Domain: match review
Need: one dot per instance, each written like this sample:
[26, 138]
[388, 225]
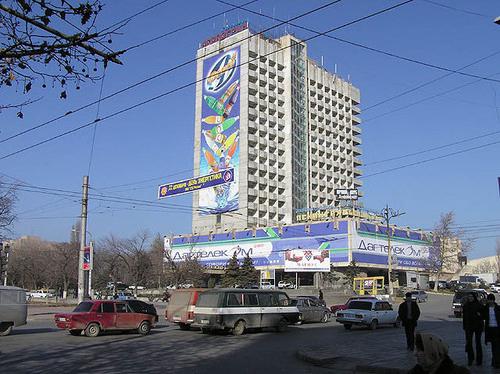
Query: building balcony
[252, 76]
[272, 146]
[356, 120]
[262, 130]
[272, 133]
[252, 154]
[356, 150]
[253, 166]
[252, 114]
[252, 140]
[356, 130]
[356, 140]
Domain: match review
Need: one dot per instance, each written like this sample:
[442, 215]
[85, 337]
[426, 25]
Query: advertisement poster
[374, 250]
[298, 260]
[220, 130]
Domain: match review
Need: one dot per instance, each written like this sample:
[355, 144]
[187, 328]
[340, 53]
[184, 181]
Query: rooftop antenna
[335, 69]
[274, 20]
[322, 62]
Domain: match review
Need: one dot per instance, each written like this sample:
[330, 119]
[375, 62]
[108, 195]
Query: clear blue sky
[155, 142]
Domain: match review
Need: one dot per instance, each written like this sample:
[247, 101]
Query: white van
[13, 308]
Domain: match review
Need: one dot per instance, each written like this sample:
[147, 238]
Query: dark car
[314, 298]
[93, 317]
[311, 311]
[461, 295]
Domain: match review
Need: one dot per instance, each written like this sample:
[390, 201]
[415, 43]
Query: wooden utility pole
[388, 214]
[82, 283]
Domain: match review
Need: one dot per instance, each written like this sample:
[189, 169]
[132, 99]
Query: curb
[344, 363]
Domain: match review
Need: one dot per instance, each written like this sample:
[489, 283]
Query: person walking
[409, 313]
[473, 325]
[491, 316]
[320, 294]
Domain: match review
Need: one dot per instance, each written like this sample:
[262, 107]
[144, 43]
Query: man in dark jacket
[409, 312]
[491, 315]
[473, 325]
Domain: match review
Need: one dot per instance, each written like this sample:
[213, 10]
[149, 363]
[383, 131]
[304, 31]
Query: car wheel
[75, 332]
[324, 319]
[347, 326]
[5, 329]
[184, 326]
[144, 328]
[282, 325]
[92, 330]
[373, 325]
[397, 324]
[239, 328]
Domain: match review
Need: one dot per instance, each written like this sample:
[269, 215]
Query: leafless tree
[7, 201]
[447, 246]
[136, 257]
[55, 41]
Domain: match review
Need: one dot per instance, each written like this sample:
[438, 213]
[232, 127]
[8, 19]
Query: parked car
[371, 313]
[460, 296]
[495, 287]
[266, 285]
[13, 308]
[40, 294]
[335, 308]
[311, 311]
[180, 309]
[315, 299]
[93, 317]
[285, 284]
[419, 296]
[238, 310]
[124, 296]
[139, 306]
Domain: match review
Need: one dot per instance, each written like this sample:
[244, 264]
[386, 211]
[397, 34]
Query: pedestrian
[409, 312]
[432, 357]
[320, 294]
[491, 315]
[473, 325]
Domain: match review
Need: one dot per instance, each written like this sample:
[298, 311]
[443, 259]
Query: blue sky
[136, 151]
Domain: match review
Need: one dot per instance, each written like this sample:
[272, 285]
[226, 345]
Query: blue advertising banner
[220, 128]
[194, 184]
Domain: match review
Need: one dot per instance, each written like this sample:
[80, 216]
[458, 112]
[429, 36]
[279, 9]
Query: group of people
[432, 352]
[479, 318]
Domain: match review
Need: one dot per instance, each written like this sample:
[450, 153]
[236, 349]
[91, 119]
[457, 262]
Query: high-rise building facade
[285, 128]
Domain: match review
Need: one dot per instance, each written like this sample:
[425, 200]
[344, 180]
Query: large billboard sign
[194, 184]
[373, 249]
[220, 128]
[299, 260]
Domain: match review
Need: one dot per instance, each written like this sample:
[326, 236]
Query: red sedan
[93, 317]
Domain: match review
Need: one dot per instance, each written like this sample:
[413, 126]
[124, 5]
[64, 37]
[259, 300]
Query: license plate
[205, 321]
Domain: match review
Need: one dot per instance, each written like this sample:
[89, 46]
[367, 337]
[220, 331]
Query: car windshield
[208, 299]
[83, 307]
[363, 305]
[459, 296]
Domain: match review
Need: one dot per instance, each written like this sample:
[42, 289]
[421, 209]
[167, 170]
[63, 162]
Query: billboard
[373, 249]
[198, 183]
[220, 127]
[298, 260]
[269, 248]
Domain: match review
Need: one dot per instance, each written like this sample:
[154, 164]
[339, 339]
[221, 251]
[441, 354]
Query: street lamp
[497, 20]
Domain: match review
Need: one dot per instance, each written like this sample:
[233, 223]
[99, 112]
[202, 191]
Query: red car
[335, 308]
[92, 317]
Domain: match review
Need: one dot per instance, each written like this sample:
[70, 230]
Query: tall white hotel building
[299, 134]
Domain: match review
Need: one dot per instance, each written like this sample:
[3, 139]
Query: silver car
[419, 296]
[311, 310]
[371, 313]
[13, 308]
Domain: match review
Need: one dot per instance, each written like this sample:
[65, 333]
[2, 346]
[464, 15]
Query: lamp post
[388, 214]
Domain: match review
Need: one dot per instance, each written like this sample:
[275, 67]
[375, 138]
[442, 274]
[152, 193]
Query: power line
[179, 88]
[430, 159]
[434, 148]
[457, 9]
[425, 99]
[390, 54]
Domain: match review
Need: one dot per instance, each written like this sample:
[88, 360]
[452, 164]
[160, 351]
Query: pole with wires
[388, 214]
[82, 284]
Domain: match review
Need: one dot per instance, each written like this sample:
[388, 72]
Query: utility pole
[82, 281]
[388, 214]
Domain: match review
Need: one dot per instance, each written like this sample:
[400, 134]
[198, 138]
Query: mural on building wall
[220, 128]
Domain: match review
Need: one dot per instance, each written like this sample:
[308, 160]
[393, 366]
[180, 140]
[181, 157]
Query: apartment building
[285, 127]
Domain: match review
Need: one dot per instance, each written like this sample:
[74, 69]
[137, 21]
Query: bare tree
[65, 266]
[55, 41]
[136, 257]
[447, 247]
[497, 257]
[7, 201]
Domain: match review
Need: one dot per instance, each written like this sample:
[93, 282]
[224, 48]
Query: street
[40, 347]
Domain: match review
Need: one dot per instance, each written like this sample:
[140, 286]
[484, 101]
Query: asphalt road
[39, 347]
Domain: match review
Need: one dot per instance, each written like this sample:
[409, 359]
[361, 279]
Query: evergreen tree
[351, 272]
[232, 273]
[249, 275]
